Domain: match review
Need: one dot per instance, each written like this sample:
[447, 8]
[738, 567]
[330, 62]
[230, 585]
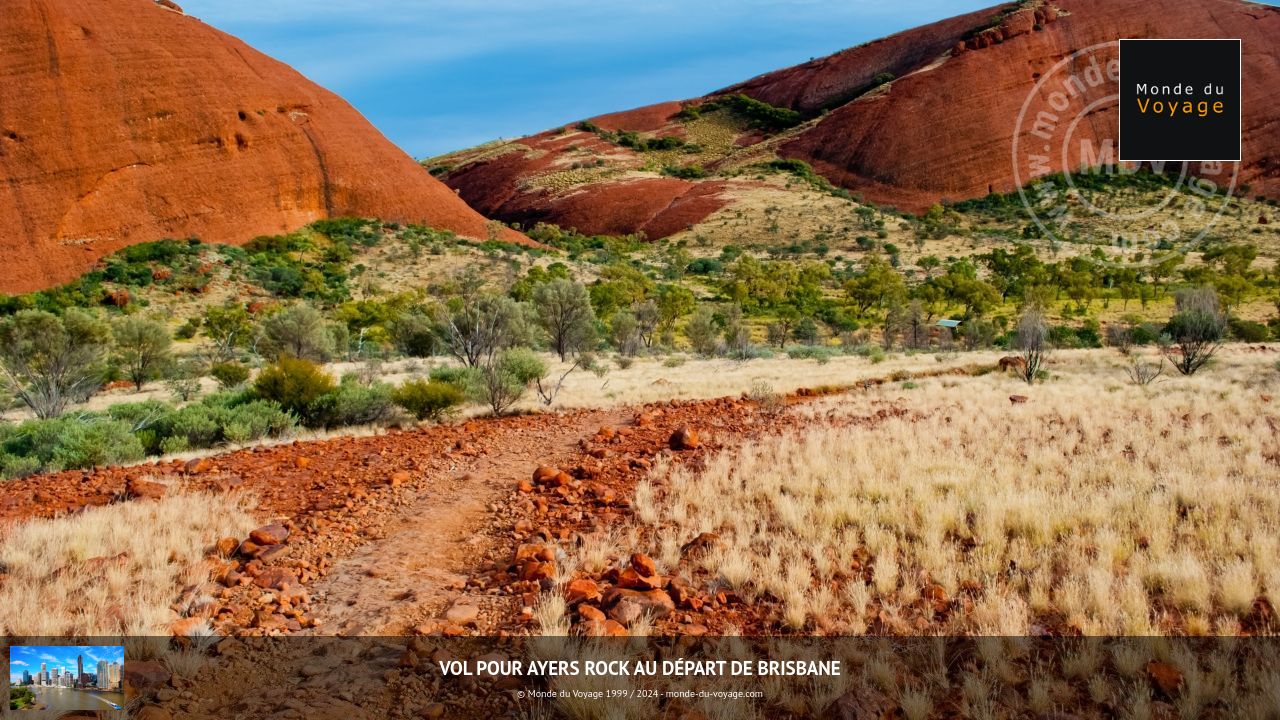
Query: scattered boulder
[272, 534]
[1164, 676]
[684, 438]
[581, 590]
[1018, 399]
[644, 565]
[145, 676]
[139, 489]
[462, 614]
[700, 544]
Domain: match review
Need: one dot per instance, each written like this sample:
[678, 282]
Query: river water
[52, 701]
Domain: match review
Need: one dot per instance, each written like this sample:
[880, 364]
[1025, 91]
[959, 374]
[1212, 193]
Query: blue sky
[59, 656]
[439, 75]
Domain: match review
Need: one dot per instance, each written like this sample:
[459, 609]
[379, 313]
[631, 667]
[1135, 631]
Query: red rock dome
[124, 121]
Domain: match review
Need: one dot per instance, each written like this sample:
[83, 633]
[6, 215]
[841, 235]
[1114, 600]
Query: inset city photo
[46, 681]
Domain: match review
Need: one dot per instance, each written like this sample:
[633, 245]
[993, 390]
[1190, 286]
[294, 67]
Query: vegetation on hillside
[260, 322]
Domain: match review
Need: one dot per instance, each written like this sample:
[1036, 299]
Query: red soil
[124, 121]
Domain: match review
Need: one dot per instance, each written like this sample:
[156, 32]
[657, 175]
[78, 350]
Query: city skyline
[60, 661]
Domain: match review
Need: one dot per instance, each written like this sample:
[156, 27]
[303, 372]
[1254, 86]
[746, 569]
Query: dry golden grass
[64, 578]
[1098, 505]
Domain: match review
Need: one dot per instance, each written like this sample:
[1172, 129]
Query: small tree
[564, 313]
[1033, 340]
[1195, 331]
[228, 329]
[702, 332]
[298, 331]
[48, 362]
[476, 332]
[624, 334]
[504, 381]
[142, 348]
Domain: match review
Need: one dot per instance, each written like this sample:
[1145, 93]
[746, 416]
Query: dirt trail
[420, 562]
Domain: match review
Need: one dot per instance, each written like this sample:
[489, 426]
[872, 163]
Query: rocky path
[421, 561]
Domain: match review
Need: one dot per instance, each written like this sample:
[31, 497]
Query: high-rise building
[44, 673]
[114, 677]
[26, 677]
[102, 675]
[79, 671]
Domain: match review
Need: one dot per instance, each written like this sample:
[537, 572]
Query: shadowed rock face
[124, 121]
[942, 129]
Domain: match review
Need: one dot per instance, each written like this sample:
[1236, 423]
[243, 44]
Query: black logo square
[1179, 100]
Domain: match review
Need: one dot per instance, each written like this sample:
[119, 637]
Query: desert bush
[812, 352]
[1249, 331]
[1195, 331]
[702, 331]
[504, 381]
[47, 361]
[70, 442]
[1144, 373]
[295, 384]
[353, 403]
[428, 399]
[142, 348]
[564, 313]
[463, 378]
[298, 331]
[229, 374]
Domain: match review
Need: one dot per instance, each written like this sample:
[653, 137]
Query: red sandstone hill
[123, 121]
[943, 128]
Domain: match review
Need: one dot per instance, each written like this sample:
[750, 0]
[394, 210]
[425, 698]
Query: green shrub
[812, 352]
[294, 384]
[69, 443]
[463, 378]
[428, 399]
[229, 374]
[352, 403]
[1249, 331]
[502, 383]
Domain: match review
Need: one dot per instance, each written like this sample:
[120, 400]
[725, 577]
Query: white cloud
[18, 662]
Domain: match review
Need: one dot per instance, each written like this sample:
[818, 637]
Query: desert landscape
[741, 376]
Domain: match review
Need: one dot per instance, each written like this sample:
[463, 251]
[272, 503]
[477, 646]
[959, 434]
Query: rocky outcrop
[947, 131]
[123, 121]
[926, 115]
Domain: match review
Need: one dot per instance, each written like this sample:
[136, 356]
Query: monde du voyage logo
[1170, 108]
[1179, 100]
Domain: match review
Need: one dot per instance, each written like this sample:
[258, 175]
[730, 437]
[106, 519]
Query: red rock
[633, 580]
[1165, 676]
[302, 463]
[272, 534]
[590, 613]
[545, 474]
[114, 147]
[703, 542]
[524, 486]
[1018, 399]
[983, 83]
[226, 546]
[276, 578]
[581, 590]
[534, 570]
[153, 712]
[684, 438]
[644, 565]
[654, 602]
[400, 478]
[144, 676]
[140, 489]
[196, 466]
[186, 626]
